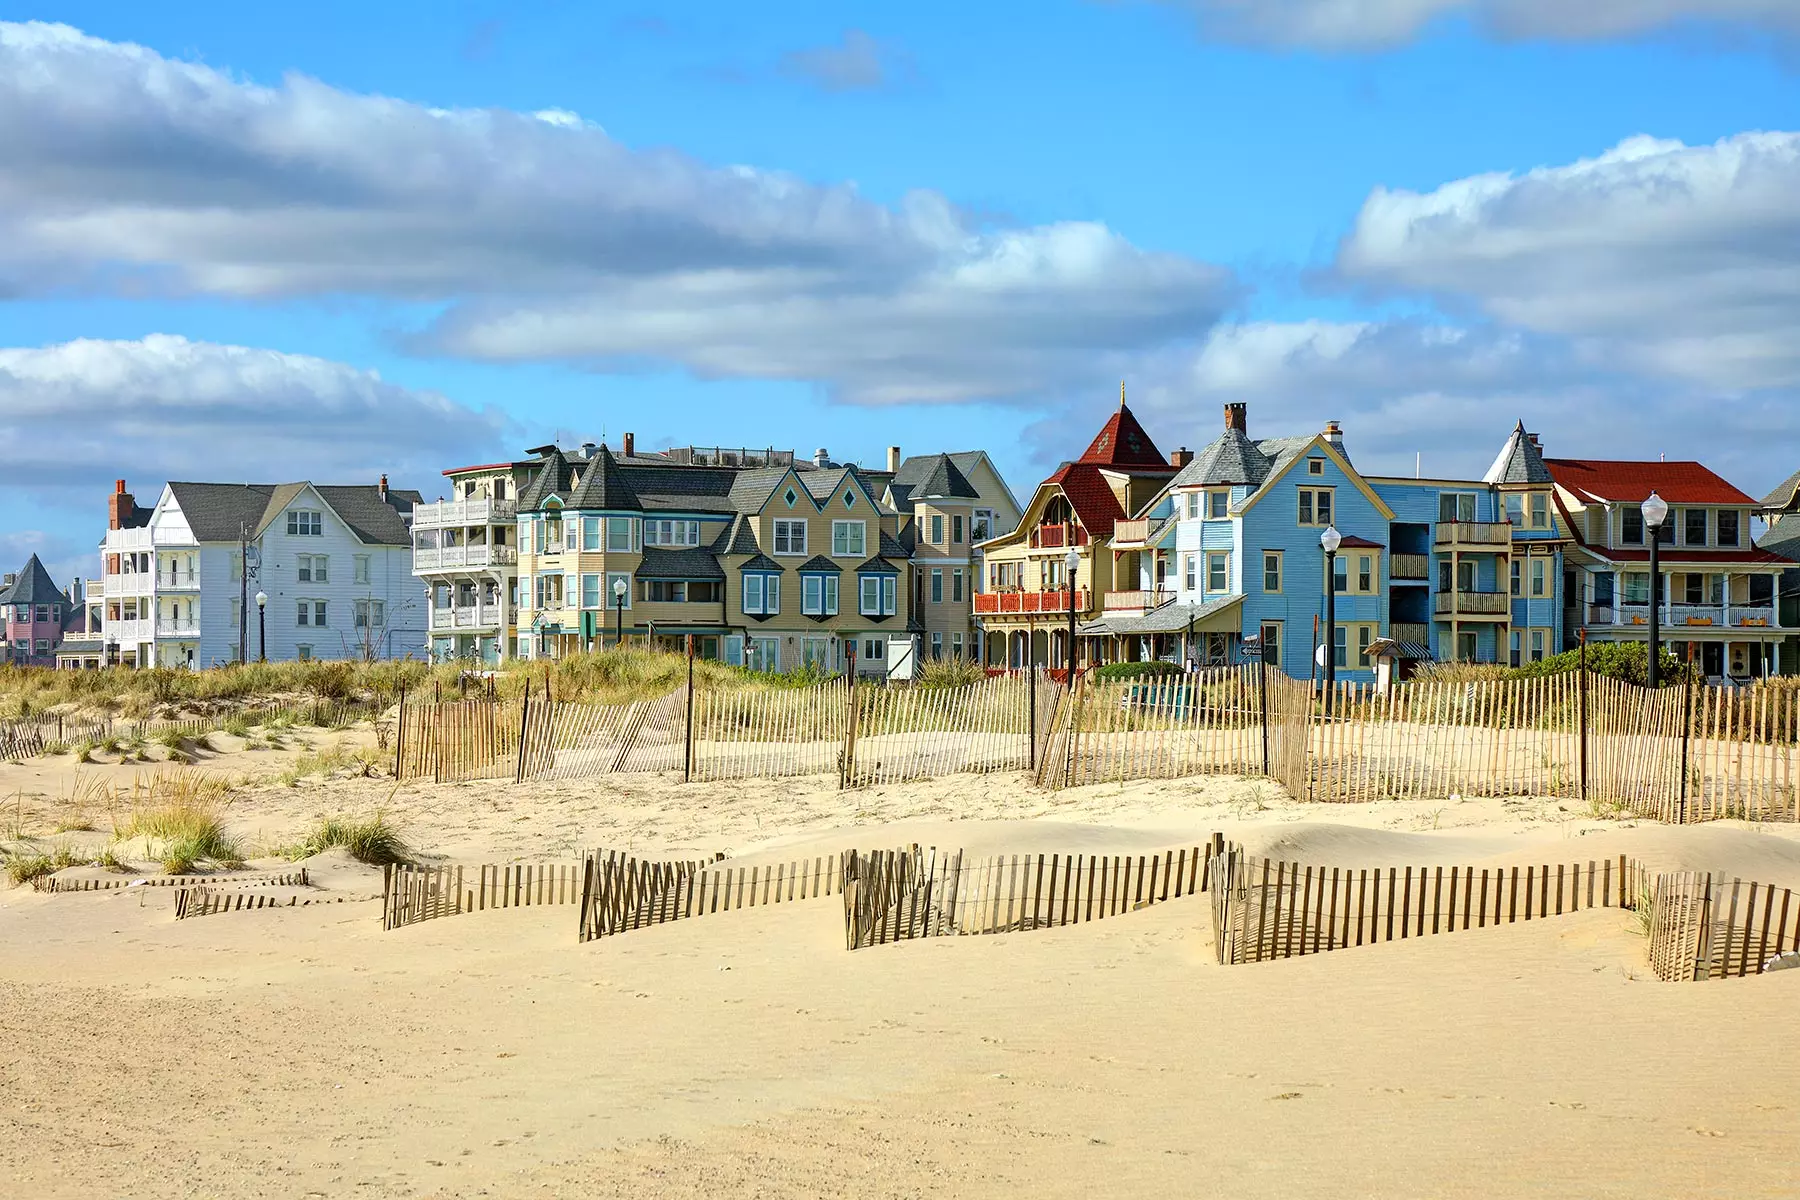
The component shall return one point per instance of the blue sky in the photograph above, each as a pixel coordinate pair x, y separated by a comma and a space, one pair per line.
955, 229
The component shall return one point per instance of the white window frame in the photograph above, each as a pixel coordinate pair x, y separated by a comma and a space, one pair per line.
305, 522
359, 568
768, 594
886, 595
597, 591
818, 595
1222, 560
784, 530
617, 526
607, 600
840, 536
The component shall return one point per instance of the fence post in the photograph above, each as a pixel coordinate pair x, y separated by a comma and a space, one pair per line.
1687, 728
848, 771
400, 734
687, 760
1582, 684
1262, 696
524, 729
1031, 721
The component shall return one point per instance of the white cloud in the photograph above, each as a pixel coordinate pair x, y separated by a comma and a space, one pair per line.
1680, 261
126, 170
1446, 393
83, 413
1383, 24
858, 63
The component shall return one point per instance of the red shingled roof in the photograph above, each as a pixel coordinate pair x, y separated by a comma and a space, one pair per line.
1089, 495
1122, 442
1632, 482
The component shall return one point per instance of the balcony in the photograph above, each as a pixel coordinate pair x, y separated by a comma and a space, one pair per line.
453, 558
469, 617
178, 630
1687, 616
1025, 603
1473, 604
140, 583
129, 633
1485, 537
178, 581
1055, 537
1405, 631
1135, 530
1138, 601
478, 511
128, 539
1409, 566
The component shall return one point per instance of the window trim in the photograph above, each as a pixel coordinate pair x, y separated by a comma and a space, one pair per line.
786, 525
1221, 558
863, 536
1307, 502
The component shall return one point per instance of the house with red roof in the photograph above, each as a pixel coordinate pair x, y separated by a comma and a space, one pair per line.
1717, 589
1026, 593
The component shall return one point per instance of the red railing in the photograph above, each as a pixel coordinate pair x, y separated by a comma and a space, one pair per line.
1051, 537
1030, 602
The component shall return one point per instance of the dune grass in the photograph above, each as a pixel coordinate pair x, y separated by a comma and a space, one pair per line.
180, 815
373, 839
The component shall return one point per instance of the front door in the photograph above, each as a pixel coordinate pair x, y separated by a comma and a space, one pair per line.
1712, 660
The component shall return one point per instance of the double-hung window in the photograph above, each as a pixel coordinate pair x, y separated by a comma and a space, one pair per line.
819, 595
1537, 577
956, 585
1540, 511
848, 539
1631, 526
371, 614
1315, 506
1456, 506
1272, 571
666, 532
956, 529
618, 535
590, 533
937, 530
1517, 568
311, 568
1187, 571
937, 585
1218, 570
310, 612
1728, 527
1217, 504
590, 591
790, 537
877, 595
360, 568
762, 594
1693, 531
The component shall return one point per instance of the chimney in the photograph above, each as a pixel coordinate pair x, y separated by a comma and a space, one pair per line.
821, 459
1334, 433
1236, 417
119, 506
587, 449
1184, 456
893, 459
381, 488
630, 446
1534, 440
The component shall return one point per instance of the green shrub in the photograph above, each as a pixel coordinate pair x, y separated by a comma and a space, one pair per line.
374, 840
950, 673
1136, 670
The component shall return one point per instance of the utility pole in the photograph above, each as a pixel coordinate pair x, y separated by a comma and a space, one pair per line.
243, 591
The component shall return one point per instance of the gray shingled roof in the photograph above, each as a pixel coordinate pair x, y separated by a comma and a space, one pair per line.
219, 512
819, 564
553, 479
762, 562
932, 475
603, 485
1520, 461
879, 565
751, 490
1781, 539
33, 586
1783, 495
690, 563
888, 547
376, 521
1235, 458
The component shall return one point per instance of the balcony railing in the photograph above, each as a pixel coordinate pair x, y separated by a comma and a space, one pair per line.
1134, 530
139, 583
1686, 616
1409, 566
1139, 601
472, 617
128, 539
1406, 631
1003, 603
478, 511
1054, 537
1487, 535
1472, 604
178, 581
129, 633
178, 629
453, 557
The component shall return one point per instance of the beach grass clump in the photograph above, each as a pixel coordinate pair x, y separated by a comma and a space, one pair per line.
24, 865
180, 815
373, 839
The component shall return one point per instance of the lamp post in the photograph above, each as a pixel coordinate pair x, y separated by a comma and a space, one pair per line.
749, 646
1071, 560
619, 610
1331, 539
537, 631
1656, 511
262, 627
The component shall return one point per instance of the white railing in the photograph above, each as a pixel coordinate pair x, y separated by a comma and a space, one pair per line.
1143, 600
487, 617
138, 584
129, 633
128, 539
463, 557
178, 629
178, 581
1756, 615
463, 512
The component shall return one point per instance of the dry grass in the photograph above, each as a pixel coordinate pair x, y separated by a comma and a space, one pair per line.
180, 815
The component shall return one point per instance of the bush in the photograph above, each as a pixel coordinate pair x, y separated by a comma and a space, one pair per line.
1629, 661
950, 673
1136, 670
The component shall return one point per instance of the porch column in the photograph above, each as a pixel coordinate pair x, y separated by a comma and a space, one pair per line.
430, 619
502, 638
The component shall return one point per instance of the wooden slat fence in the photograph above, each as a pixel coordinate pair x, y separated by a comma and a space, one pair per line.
900, 895
770, 734
1264, 909
1702, 927
411, 894
905, 733
205, 901
1205, 722
620, 892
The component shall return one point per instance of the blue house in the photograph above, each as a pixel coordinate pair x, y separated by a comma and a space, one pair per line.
1231, 548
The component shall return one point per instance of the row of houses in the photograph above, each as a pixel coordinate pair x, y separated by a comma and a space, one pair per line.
1194, 556
778, 562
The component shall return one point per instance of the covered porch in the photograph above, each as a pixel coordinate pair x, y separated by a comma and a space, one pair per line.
1196, 635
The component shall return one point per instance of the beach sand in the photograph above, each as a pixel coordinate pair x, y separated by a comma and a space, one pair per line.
304, 1051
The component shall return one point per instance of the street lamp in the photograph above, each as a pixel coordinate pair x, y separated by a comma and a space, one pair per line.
262, 627
1331, 539
1656, 511
1071, 560
619, 608
749, 646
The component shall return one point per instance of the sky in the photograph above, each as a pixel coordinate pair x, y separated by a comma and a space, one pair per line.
265, 243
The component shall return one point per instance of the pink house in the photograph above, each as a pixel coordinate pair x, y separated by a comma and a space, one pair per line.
33, 613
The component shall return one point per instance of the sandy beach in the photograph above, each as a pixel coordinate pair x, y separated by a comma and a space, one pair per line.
305, 1052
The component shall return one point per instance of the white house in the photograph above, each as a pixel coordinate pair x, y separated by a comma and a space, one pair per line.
333, 564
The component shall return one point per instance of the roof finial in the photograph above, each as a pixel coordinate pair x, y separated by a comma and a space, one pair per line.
1121, 393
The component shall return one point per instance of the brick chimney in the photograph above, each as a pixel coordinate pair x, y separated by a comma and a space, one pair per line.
1183, 456
1334, 433
893, 458
120, 505
630, 445
1237, 417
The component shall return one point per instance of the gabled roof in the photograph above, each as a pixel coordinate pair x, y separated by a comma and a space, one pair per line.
819, 564
887, 546
1234, 458
751, 490
554, 479
1600, 480
375, 521
1291, 450
1520, 461
1784, 495
1353, 542
33, 586
738, 538
932, 475
1122, 442
221, 512
603, 485
762, 562
1095, 505
877, 566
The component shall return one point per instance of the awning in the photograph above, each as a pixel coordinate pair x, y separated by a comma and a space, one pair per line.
1390, 648
1219, 616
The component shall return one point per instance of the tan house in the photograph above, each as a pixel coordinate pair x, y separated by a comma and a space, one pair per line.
1025, 599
